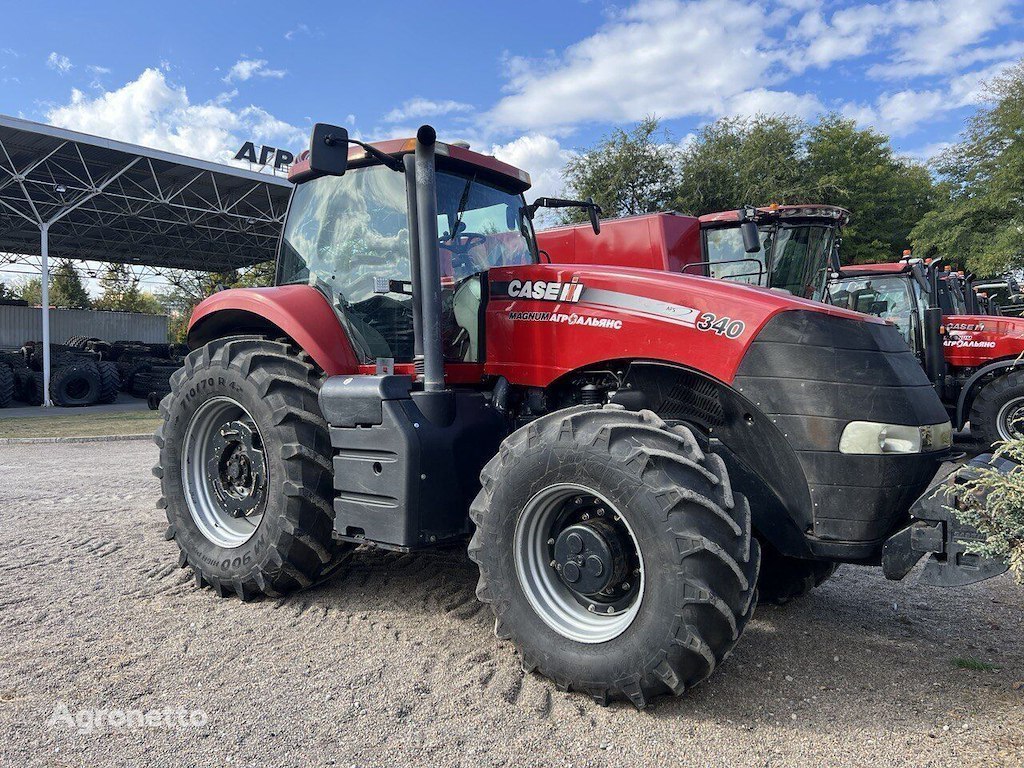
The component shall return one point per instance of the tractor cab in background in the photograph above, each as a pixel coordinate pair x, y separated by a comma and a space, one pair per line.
789, 248
971, 354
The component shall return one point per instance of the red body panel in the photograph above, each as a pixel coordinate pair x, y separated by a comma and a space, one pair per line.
661, 241
624, 313
974, 340
301, 311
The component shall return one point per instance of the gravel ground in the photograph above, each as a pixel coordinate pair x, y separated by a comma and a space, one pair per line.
395, 662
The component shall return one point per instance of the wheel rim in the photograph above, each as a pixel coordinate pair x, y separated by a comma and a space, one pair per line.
1010, 420
224, 472
578, 563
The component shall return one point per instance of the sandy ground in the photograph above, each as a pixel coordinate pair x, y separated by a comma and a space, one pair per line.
395, 663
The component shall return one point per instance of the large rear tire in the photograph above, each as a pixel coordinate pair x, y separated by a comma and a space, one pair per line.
646, 506
787, 578
997, 412
245, 469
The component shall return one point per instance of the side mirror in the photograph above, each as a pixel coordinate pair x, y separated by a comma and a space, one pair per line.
921, 278
751, 236
592, 209
328, 150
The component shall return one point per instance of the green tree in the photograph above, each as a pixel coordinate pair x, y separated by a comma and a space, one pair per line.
7, 293
627, 172
858, 170
66, 289
742, 161
980, 222
121, 292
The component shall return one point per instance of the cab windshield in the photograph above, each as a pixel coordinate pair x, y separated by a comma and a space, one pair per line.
344, 231
893, 298
793, 257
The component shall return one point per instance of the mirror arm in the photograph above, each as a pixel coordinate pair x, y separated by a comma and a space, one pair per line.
394, 163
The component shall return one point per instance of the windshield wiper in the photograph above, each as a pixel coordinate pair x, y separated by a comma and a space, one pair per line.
463, 201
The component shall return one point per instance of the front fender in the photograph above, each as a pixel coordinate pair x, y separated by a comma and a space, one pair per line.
299, 312
973, 384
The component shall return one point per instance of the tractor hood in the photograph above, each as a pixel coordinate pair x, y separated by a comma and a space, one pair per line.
973, 340
549, 319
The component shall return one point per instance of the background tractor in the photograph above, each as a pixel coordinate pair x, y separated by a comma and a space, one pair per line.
633, 453
973, 359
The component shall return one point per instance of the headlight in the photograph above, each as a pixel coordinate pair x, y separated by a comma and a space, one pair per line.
870, 437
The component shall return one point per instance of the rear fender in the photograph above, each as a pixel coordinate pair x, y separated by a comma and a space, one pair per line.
299, 312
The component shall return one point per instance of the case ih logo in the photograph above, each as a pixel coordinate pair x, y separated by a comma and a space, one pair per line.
545, 291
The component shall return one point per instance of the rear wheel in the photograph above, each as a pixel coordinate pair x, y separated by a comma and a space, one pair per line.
245, 469
786, 578
6, 385
614, 553
997, 412
110, 382
75, 385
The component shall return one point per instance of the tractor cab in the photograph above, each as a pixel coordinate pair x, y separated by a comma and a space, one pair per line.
788, 248
349, 236
798, 247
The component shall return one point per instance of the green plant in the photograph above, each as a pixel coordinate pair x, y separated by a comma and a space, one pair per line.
993, 503
977, 666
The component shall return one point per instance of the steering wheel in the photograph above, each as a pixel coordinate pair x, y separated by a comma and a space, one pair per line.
460, 246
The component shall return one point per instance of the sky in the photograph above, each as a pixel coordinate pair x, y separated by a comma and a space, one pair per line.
532, 82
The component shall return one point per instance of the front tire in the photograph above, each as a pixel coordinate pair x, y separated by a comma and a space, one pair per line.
646, 505
245, 469
997, 413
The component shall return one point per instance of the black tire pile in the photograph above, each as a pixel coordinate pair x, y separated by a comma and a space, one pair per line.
88, 371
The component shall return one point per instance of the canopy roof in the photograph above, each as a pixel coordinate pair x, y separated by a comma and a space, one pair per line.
106, 200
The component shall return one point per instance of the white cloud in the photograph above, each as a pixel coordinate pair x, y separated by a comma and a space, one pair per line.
98, 70
420, 108
900, 113
768, 102
154, 113
246, 69
663, 57
846, 35
59, 63
542, 157
936, 31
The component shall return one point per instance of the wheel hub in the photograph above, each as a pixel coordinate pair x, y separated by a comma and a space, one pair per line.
586, 556
237, 468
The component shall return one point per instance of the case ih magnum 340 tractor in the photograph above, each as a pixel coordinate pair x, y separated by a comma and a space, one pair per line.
973, 359
630, 450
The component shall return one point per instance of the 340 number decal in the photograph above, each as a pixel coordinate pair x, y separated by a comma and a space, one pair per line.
721, 326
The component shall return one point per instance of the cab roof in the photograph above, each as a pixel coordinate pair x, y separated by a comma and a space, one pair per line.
866, 270
456, 156
803, 211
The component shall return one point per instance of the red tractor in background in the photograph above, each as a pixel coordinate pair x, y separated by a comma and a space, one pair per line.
791, 248
973, 359
635, 454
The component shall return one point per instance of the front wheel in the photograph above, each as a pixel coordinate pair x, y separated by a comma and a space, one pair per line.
245, 469
614, 553
997, 413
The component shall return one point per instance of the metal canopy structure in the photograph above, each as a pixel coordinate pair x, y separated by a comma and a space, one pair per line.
75, 196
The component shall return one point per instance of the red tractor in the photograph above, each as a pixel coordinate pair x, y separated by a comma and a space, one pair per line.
971, 356
791, 248
973, 359
634, 454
